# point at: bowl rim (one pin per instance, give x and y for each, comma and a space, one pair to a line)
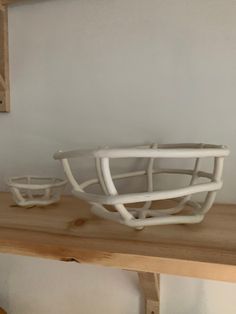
35, 186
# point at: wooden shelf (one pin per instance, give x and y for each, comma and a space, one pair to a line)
69, 232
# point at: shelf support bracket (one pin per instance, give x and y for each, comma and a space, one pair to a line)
150, 283
4, 60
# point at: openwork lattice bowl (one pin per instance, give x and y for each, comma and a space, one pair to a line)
33, 190
136, 209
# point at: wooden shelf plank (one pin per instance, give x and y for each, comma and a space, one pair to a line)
69, 232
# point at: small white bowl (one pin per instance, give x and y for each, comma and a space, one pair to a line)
30, 191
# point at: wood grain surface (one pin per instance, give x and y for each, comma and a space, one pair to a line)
69, 232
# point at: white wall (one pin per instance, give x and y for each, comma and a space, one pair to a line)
89, 72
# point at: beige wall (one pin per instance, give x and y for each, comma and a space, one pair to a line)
94, 72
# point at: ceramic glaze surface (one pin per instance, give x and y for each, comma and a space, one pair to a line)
135, 209
32, 190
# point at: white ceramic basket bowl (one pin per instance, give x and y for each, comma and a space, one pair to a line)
143, 215
34, 190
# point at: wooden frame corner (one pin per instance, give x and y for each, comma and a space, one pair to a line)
4, 59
